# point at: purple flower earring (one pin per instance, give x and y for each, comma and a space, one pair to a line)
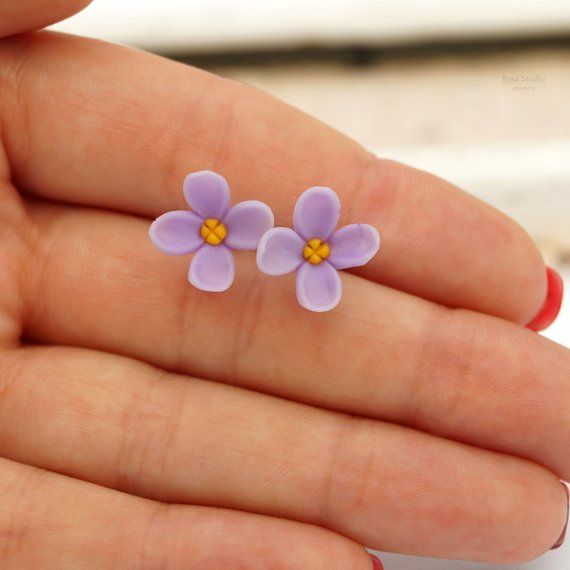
315, 250
211, 230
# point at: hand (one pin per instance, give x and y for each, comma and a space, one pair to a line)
145, 424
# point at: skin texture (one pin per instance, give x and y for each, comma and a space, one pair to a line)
25, 15
145, 423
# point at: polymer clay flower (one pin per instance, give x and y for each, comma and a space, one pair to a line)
211, 230
315, 250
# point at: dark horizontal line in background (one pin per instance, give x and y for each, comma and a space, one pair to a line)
364, 55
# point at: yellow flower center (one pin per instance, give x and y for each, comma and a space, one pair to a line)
316, 251
213, 231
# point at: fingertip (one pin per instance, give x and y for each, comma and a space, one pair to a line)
442, 244
17, 17
376, 564
551, 305
562, 536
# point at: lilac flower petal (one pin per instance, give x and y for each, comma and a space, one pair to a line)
319, 287
353, 245
280, 251
316, 213
212, 268
246, 222
207, 193
177, 232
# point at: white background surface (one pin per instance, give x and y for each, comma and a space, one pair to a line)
184, 25
500, 172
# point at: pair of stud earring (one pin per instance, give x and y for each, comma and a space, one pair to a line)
212, 229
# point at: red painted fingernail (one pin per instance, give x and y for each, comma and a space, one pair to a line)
560, 541
551, 307
376, 564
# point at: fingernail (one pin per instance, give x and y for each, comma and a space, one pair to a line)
551, 307
560, 541
376, 564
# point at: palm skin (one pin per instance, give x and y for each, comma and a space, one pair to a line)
147, 424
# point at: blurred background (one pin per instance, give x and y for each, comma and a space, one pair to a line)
476, 92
